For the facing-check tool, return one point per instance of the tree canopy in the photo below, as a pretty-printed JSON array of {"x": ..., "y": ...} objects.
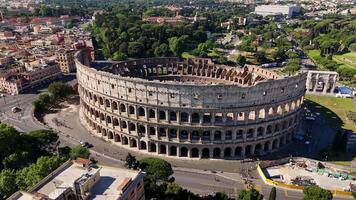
[{"x": 316, "y": 193}]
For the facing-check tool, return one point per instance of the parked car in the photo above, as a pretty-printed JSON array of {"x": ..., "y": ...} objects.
[{"x": 15, "y": 109}]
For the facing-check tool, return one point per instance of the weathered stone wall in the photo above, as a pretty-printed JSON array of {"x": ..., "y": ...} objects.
[{"x": 185, "y": 119}]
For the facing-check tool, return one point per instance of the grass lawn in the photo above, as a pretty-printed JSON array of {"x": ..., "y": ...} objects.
[
  {"x": 315, "y": 55},
  {"x": 334, "y": 110},
  {"x": 348, "y": 59}
]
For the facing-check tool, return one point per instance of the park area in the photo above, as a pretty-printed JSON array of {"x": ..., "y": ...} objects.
[
  {"x": 347, "y": 59},
  {"x": 334, "y": 110}
]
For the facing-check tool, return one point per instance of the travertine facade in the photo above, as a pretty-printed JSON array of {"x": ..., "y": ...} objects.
[{"x": 191, "y": 108}]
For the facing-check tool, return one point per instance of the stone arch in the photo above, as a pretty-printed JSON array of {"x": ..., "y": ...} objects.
[
  {"x": 151, "y": 114},
  {"x": 115, "y": 122},
  {"x": 266, "y": 147},
  {"x": 227, "y": 152},
  {"x": 195, "y": 118},
  {"x": 125, "y": 141},
  {"x": 183, "y": 134},
  {"x": 248, "y": 150},
  {"x": 275, "y": 144},
  {"x": 101, "y": 101},
  {"x": 271, "y": 112},
  {"x": 153, "y": 147},
  {"x": 172, "y": 116},
  {"x": 292, "y": 105},
  {"x": 286, "y": 108},
  {"x": 258, "y": 149},
  {"x": 282, "y": 141},
  {"x": 238, "y": 151},
  {"x": 131, "y": 110},
  {"x": 250, "y": 132},
  {"x": 123, "y": 124},
  {"x": 110, "y": 135},
  {"x": 107, "y": 103},
  {"x": 277, "y": 127},
  {"x": 108, "y": 119},
  {"x": 141, "y": 129},
  {"x": 217, "y": 135},
  {"x": 216, "y": 152},
  {"x": 184, "y": 117},
  {"x": 143, "y": 145},
  {"x": 205, "y": 153},
  {"x": 279, "y": 110},
  {"x": 95, "y": 98},
  {"x": 162, "y": 115},
  {"x": 173, "y": 151},
  {"x": 195, "y": 152},
  {"x": 117, "y": 138},
  {"x": 102, "y": 117},
  {"x": 163, "y": 149},
  {"x": 132, "y": 126},
  {"x": 104, "y": 133},
  {"x": 183, "y": 152},
  {"x": 173, "y": 133},
  {"x": 206, "y": 135},
  {"x": 269, "y": 129},
  {"x": 141, "y": 112},
  {"x": 133, "y": 142},
  {"x": 114, "y": 105},
  {"x": 260, "y": 131},
  {"x": 122, "y": 107}
]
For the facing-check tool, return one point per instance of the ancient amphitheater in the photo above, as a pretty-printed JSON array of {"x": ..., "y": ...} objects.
[{"x": 189, "y": 108}]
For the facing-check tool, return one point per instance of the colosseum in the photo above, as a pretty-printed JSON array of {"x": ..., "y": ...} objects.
[{"x": 189, "y": 108}]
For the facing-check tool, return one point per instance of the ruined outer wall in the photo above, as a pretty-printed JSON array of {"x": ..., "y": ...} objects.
[{"x": 186, "y": 119}]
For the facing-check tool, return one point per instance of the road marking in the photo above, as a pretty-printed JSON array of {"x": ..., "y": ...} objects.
[{"x": 286, "y": 193}]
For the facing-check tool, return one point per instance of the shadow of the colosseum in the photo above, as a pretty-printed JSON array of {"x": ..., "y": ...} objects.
[{"x": 320, "y": 138}]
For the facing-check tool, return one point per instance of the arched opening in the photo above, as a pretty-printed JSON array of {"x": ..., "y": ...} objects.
[
  {"x": 162, "y": 115},
  {"x": 281, "y": 141},
  {"x": 123, "y": 124},
  {"x": 152, "y": 131},
  {"x": 195, "y": 153},
  {"x": 133, "y": 142},
  {"x": 131, "y": 110},
  {"x": 153, "y": 147},
  {"x": 183, "y": 135},
  {"x": 217, "y": 135},
  {"x": 228, "y": 135},
  {"x": 125, "y": 141},
  {"x": 216, "y": 153},
  {"x": 184, "y": 117},
  {"x": 172, "y": 133},
  {"x": 110, "y": 135},
  {"x": 104, "y": 132},
  {"x": 250, "y": 133},
  {"x": 108, "y": 119},
  {"x": 206, "y": 118},
  {"x": 276, "y": 128},
  {"x": 195, "y": 135},
  {"x": 275, "y": 144},
  {"x": 114, "y": 105},
  {"x": 163, "y": 149},
  {"x": 262, "y": 114},
  {"x": 205, "y": 153},
  {"x": 173, "y": 116},
  {"x": 266, "y": 146},
  {"x": 195, "y": 118},
  {"x": 206, "y": 135},
  {"x": 143, "y": 145},
  {"x": 227, "y": 152},
  {"x": 239, "y": 134},
  {"x": 115, "y": 122},
  {"x": 101, "y": 101},
  {"x": 248, "y": 150},
  {"x": 238, "y": 151},
  {"x": 162, "y": 132},
  {"x": 269, "y": 129},
  {"x": 258, "y": 149},
  {"x": 284, "y": 125},
  {"x": 141, "y": 112},
  {"x": 183, "y": 152},
  {"x": 122, "y": 108},
  {"x": 141, "y": 129},
  {"x": 260, "y": 131},
  {"x": 132, "y": 126},
  {"x": 173, "y": 151},
  {"x": 107, "y": 103},
  {"x": 151, "y": 114},
  {"x": 117, "y": 138},
  {"x": 102, "y": 117}
]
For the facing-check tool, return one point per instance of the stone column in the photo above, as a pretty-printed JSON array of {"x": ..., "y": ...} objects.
[{"x": 316, "y": 82}]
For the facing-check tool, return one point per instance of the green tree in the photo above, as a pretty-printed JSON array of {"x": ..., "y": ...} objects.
[
  {"x": 260, "y": 56},
  {"x": 156, "y": 169},
  {"x": 131, "y": 161},
  {"x": 178, "y": 45},
  {"x": 44, "y": 138},
  {"x": 7, "y": 183},
  {"x": 135, "y": 49},
  {"x": 272, "y": 194},
  {"x": 173, "y": 189},
  {"x": 316, "y": 193},
  {"x": 79, "y": 151},
  {"x": 241, "y": 60},
  {"x": 354, "y": 195},
  {"x": 162, "y": 50},
  {"x": 251, "y": 194},
  {"x": 60, "y": 90},
  {"x": 117, "y": 56}
]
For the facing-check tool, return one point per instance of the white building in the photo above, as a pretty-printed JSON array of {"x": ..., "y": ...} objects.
[{"x": 287, "y": 10}]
